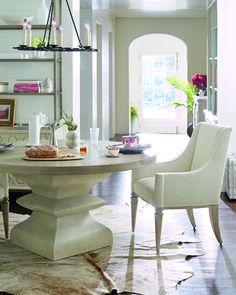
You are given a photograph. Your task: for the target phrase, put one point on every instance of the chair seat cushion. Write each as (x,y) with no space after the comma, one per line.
(145,189)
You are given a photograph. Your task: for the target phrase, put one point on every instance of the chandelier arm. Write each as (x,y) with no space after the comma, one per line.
(80,43)
(50,23)
(48,31)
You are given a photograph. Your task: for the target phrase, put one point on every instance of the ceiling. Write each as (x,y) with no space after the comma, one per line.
(148,8)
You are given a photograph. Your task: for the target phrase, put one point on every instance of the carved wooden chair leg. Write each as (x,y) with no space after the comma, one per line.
(158,226)
(214,217)
(134,206)
(191,218)
(5,214)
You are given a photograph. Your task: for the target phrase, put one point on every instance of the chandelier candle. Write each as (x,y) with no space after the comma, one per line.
(54,32)
(87,34)
(29,29)
(61,35)
(25,32)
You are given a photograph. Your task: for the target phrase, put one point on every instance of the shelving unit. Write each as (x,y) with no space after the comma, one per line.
(28,94)
(26,60)
(19,27)
(56,69)
(212,56)
(24,65)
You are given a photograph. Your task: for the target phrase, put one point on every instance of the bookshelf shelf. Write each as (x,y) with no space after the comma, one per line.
(27,94)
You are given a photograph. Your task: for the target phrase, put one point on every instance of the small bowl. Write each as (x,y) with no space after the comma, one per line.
(112,151)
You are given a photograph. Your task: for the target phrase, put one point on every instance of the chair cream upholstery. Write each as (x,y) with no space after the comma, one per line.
(192,180)
(4,201)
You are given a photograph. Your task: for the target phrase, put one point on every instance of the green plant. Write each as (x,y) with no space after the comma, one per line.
(133,113)
(188,88)
(68,121)
(133,116)
(37,42)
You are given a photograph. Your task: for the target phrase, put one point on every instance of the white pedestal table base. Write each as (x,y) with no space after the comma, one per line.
(60,225)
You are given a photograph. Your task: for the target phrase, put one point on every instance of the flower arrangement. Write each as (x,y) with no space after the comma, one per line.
(188,88)
(68,121)
(200,82)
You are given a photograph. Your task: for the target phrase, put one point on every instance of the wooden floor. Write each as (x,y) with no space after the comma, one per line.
(215,272)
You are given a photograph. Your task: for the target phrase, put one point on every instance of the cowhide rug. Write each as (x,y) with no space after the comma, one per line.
(130,266)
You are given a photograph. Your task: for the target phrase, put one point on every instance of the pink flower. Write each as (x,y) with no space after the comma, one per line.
(199,81)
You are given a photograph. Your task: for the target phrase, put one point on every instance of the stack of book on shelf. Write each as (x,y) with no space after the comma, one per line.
(27,86)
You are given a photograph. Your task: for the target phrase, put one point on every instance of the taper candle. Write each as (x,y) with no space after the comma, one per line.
(61,35)
(25,32)
(54,32)
(29,29)
(87,34)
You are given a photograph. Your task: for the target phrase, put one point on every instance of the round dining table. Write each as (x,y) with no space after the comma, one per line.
(60,224)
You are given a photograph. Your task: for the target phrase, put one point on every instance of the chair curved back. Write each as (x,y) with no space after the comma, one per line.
(208,141)
(210,154)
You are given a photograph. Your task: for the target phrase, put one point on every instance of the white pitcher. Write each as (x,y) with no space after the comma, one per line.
(36,121)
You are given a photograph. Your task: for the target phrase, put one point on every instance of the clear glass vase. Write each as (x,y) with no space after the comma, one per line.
(195,108)
(73,139)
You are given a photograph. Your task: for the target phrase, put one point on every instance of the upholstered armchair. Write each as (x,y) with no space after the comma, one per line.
(4,201)
(192,180)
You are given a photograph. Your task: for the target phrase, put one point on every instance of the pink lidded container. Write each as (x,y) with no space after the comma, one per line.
(130,140)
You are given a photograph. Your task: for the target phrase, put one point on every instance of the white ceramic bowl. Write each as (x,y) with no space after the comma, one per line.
(15,19)
(113,151)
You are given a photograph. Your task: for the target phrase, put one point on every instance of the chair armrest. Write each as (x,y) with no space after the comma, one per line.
(195,188)
(4,188)
(2,193)
(180,164)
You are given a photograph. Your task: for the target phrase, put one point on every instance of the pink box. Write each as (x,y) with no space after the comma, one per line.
(130,140)
(26,89)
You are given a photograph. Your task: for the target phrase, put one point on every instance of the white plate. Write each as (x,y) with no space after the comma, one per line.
(53,159)
(112,156)
(6,148)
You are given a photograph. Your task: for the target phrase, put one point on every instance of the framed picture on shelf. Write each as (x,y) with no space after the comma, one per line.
(7,112)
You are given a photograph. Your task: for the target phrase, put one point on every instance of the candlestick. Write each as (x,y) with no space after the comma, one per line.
(29,29)
(54,32)
(61,35)
(25,32)
(87,34)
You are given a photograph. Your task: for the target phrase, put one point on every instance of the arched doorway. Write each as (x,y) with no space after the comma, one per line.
(153,58)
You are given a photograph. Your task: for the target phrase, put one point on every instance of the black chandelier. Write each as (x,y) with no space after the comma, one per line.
(47,45)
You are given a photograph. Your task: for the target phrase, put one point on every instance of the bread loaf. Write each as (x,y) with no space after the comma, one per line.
(43,151)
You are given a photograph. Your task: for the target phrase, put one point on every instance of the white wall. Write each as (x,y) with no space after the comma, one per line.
(104,19)
(227,66)
(93,111)
(71,62)
(193,31)
(87,97)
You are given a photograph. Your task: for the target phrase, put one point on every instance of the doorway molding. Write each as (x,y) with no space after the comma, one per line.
(159,44)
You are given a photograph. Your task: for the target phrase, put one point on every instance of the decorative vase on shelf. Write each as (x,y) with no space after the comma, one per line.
(195,107)
(43,13)
(72,139)
(47,85)
(194,122)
